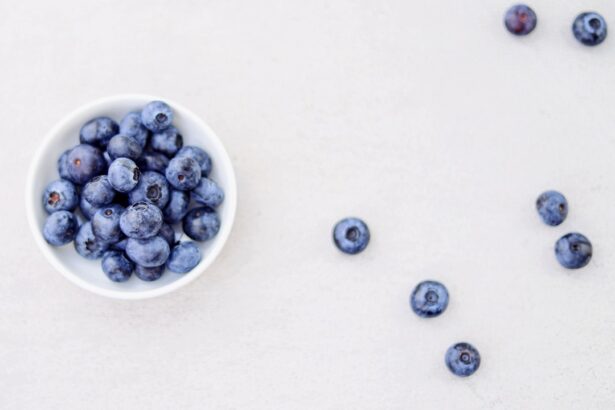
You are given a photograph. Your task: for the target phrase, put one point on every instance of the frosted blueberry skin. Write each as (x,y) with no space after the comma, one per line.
(86,243)
(184,257)
(63,166)
(201,224)
(520,20)
(208,192)
(123,175)
(122,146)
(168,233)
(153,188)
(351,235)
(573,251)
(141,220)
(60,228)
(131,126)
(167,142)
(149,274)
(98,131)
(183,173)
(462,359)
(153,161)
(429,299)
(116,266)
(157,116)
(60,195)
(87,209)
(150,252)
(84,162)
(177,207)
(98,191)
(199,155)
(106,223)
(552,207)
(589,28)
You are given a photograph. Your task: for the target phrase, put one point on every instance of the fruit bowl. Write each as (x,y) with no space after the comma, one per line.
(87,273)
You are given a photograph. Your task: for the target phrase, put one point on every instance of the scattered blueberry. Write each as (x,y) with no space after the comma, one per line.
(124,175)
(149,274)
(131,126)
(520,20)
(552,207)
(183,173)
(60,228)
(98,191)
(589,28)
(60,195)
(116,266)
(141,220)
(351,235)
(150,252)
(573,251)
(184,257)
(86,243)
(168,141)
(168,233)
(153,161)
(87,209)
(98,131)
(84,163)
(201,223)
(429,299)
(462,359)
(122,146)
(199,155)
(153,188)
(106,223)
(157,116)
(177,207)
(208,193)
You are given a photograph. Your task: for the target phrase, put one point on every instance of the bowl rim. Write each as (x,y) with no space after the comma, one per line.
(221,239)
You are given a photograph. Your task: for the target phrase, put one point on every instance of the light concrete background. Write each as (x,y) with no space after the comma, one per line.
(427,119)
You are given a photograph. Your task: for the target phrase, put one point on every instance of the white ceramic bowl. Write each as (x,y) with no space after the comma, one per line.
(86,273)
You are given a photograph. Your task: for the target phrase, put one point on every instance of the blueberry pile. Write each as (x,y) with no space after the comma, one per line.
(573,250)
(130,183)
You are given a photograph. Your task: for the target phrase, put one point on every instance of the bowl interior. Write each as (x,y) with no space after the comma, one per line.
(87,273)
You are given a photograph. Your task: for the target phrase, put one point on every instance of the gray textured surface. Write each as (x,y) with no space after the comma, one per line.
(427,119)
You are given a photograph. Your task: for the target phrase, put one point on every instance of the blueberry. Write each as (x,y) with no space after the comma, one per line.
(106,223)
(98,192)
(98,131)
(168,233)
(120,246)
(60,195)
(153,188)
(149,274)
(122,146)
(84,163)
(351,235)
(573,251)
(199,155)
(131,126)
(153,161)
(520,20)
(184,257)
(207,192)
(124,174)
(116,266)
(429,299)
(201,223)
(177,207)
(462,359)
(168,141)
(87,209)
(149,252)
(141,220)
(552,207)
(183,173)
(63,166)
(157,116)
(589,28)
(60,228)
(87,245)
(107,158)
